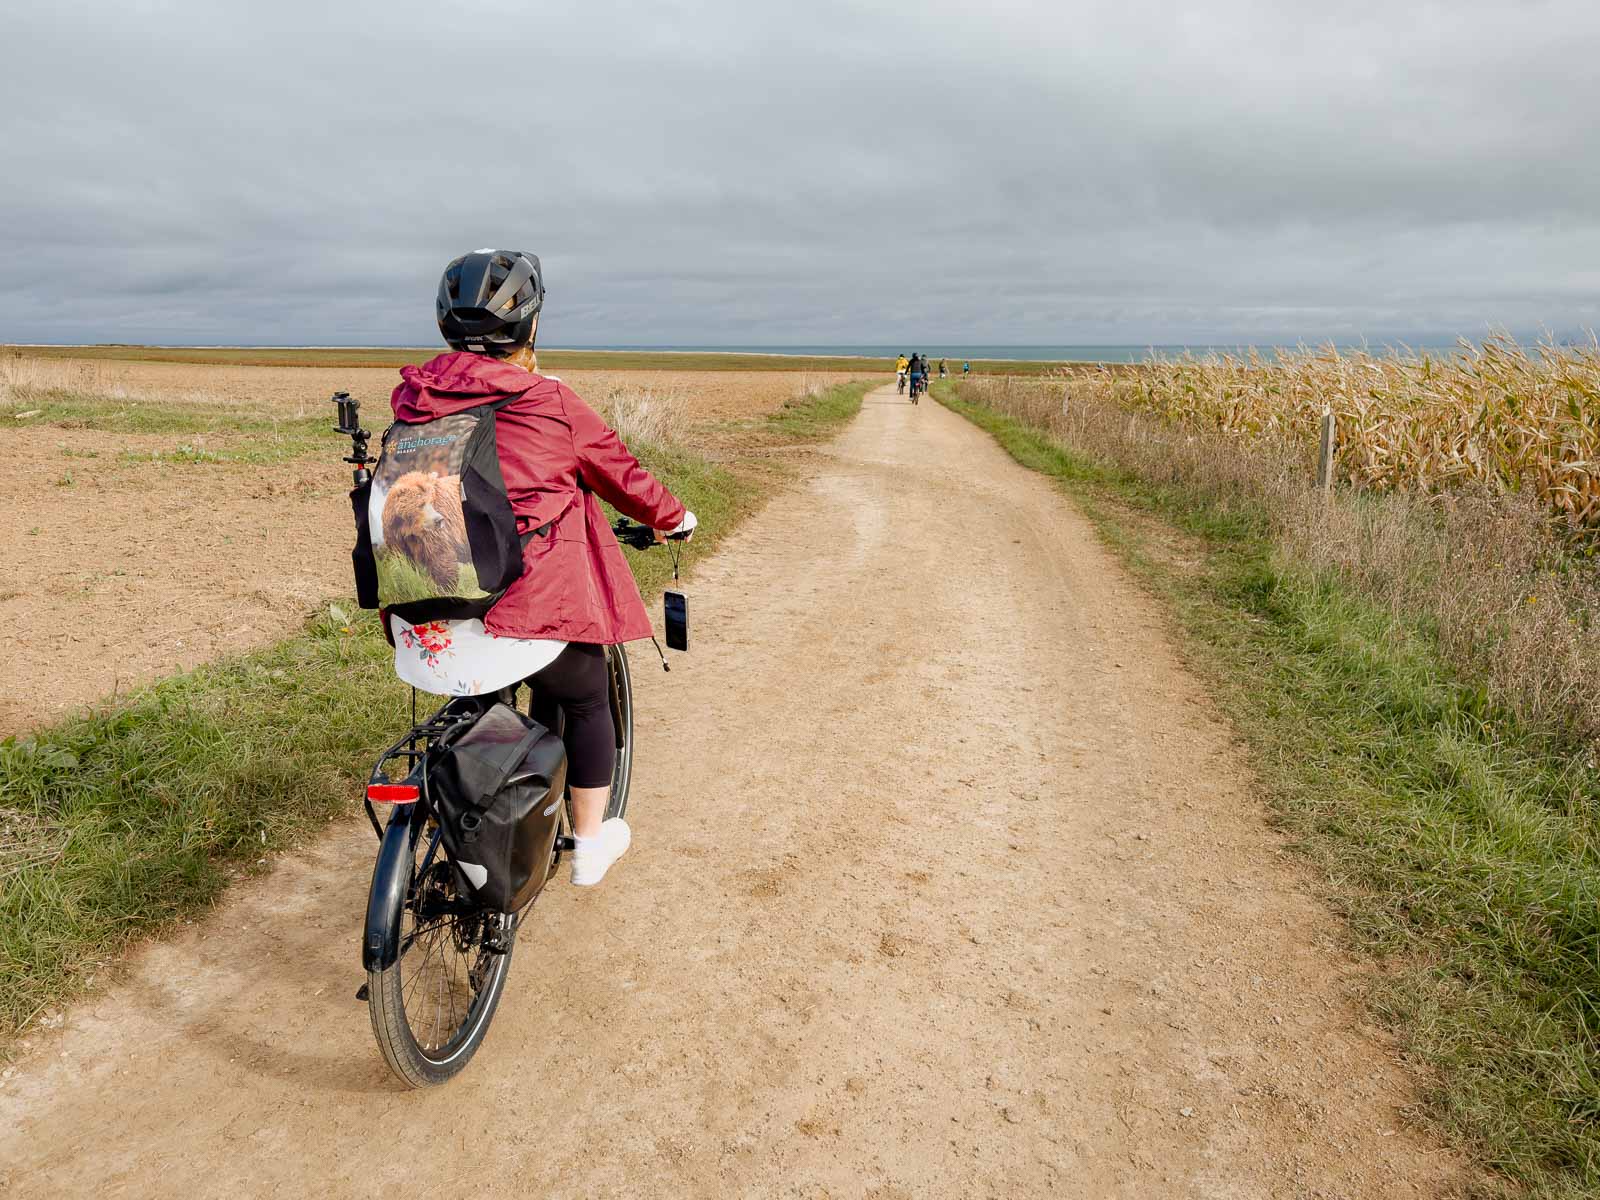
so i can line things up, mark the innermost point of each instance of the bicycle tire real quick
(407, 1056)
(622, 711)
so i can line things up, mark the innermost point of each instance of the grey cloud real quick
(723, 172)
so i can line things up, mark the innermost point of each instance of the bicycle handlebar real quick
(641, 537)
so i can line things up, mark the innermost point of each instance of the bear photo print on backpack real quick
(439, 534)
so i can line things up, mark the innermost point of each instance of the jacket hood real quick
(457, 381)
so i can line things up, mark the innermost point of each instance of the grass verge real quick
(116, 823)
(1460, 843)
(818, 413)
(67, 409)
(242, 436)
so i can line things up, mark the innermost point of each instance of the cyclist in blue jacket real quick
(919, 374)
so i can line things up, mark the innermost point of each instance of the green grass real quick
(157, 801)
(400, 580)
(184, 455)
(250, 437)
(115, 823)
(1463, 848)
(553, 360)
(816, 416)
(74, 410)
(266, 451)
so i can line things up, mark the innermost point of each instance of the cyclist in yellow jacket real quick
(900, 365)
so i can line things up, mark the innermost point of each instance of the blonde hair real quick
(524, 355)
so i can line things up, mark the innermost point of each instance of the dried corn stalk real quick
(1499, 415)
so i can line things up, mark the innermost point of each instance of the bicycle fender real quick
(380, 940)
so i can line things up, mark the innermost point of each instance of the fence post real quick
(1325, 456)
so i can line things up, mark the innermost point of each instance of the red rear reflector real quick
(392, 793)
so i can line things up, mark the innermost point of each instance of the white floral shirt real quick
(462, 658)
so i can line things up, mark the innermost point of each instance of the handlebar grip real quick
(640, 537)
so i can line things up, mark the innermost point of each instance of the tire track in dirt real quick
(946, 882)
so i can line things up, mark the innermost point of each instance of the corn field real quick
(1452, 467)
(1500, 416)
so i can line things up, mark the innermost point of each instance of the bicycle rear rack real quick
(413, 746)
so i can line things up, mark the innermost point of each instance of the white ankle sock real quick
(593, 857)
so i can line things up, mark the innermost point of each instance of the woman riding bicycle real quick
(576, 594)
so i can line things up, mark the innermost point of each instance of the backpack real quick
(436, 538)
(496, 785)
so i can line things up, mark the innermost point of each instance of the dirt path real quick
(945, 883)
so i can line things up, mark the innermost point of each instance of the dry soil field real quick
(126, 555)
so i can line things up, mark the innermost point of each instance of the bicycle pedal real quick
(361, 992)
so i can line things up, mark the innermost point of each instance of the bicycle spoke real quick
(434, 1034)
(446, 965)
(454, 961)
(438, 996)
(420, 969)
(421, 974)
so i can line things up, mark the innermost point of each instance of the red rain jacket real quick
(559, 460)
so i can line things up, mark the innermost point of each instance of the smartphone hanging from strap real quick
(675, 605)
(675, 611)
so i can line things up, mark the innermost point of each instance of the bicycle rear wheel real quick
(622, 714)
(431, 1007)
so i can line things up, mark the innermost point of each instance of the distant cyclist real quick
(942, 371)
(900, 366)
(966, 367)
(919, 375)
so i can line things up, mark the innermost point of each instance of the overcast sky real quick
(734, 172)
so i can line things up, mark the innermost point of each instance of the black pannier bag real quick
(496, 785)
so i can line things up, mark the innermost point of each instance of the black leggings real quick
(576, 682)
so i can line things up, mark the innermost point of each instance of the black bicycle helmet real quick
(488, 301)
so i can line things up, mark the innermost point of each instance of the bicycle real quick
(900, 386)
(436, 961)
